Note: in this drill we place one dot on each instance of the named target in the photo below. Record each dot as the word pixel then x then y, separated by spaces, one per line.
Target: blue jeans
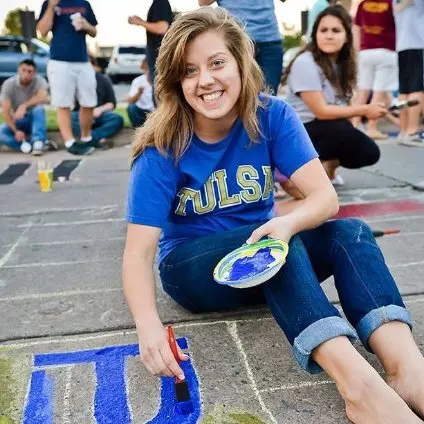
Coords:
pixel 33 124
pixel 343 248
pixel 269 56
pixel 137 116
pixel 105 126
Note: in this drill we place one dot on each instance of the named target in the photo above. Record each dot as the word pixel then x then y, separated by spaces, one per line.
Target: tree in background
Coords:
pixel 293 40
pixel 12 23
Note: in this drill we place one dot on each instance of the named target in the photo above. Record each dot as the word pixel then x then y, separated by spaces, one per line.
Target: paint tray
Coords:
pixel 251 264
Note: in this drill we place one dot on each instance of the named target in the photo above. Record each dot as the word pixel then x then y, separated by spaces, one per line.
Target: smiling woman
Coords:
pixel 201 186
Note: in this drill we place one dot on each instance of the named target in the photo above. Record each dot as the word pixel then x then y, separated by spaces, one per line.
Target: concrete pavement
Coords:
pixel 68 351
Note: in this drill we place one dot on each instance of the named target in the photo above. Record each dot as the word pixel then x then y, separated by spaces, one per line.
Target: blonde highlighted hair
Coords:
pixel 170 126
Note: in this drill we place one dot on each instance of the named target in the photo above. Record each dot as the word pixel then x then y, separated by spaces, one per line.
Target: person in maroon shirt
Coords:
pixel 375 38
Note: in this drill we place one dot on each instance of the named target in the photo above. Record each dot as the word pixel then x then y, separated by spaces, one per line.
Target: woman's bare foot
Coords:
pixel 377 403
pixel 410 387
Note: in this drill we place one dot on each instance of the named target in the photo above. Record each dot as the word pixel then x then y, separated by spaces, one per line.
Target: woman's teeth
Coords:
pixel 212 97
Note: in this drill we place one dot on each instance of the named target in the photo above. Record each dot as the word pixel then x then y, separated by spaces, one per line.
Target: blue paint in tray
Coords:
pixel 250 266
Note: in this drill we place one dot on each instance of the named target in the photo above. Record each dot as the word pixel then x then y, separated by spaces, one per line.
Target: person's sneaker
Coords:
pixel 101 144
pixel 37 148
pixel 51 145
pixel 81 149
pixel 26 147
pixel 413 140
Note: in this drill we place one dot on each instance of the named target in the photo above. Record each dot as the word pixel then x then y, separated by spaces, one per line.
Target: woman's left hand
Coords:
pixel 279 228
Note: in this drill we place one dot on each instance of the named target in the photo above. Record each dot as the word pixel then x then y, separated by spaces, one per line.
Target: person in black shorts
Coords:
pixel 409 18
pixel 159 18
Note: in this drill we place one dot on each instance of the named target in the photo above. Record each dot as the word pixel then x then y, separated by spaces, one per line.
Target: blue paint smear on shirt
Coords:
pixel 249 267
pixel 39 408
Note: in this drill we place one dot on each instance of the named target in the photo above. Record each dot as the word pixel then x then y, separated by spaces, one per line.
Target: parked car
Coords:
pixel 125 62
pixel 15 49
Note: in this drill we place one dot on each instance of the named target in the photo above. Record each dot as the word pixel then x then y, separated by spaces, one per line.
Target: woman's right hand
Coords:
pixel 155 352
pixel 375 111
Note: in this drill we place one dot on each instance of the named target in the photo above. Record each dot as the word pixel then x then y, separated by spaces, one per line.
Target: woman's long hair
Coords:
pixel 170 126
pixel 342 77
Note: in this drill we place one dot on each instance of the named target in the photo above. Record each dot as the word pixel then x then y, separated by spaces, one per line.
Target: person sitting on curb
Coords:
pixel 106 123
pixel 22 98
pixel 201 186
pixel 320 81
pixel 140 97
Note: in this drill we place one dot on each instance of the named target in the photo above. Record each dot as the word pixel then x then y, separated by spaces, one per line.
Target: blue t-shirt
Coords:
pixel 68 45
pixel 258 16
pixel 220 186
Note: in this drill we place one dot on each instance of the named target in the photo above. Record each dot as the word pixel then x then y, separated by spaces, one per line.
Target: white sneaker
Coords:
pixel 412 140
pixel 338 180
pixel 37 148
pixel 25 147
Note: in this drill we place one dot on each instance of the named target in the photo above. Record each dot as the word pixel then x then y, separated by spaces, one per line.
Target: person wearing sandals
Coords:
pixel 201 186
pixel 320 82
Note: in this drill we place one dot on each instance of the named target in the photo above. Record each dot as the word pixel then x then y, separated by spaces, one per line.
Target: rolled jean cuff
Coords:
pixel 377 317
pixel 316 334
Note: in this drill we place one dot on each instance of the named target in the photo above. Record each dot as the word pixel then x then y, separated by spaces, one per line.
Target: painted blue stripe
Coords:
pixel 84 356
pixel 167 411
pixel 39 407
pixel 110 399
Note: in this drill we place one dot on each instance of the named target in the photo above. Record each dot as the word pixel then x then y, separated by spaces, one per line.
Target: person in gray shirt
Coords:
pixel 320 81
pixel 22 97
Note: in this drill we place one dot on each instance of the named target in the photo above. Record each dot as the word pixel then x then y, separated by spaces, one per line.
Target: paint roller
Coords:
pixel 182 393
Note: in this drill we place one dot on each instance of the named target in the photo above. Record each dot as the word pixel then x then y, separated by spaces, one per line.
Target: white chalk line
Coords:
pixel 393 218
pixel 45 264
pixel 65 242
pixel 232 329
pixel 101 240
pixel 58 210
pixel 406 265
pixel 114 334
pixel 293 386
pixel 67 395
pixel 108 220
pixel 114 289
pixel 10 252
pixel 60 294
pixel 82 222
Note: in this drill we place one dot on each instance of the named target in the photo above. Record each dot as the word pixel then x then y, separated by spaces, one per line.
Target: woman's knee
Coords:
pixel 349 229
pixel 372 154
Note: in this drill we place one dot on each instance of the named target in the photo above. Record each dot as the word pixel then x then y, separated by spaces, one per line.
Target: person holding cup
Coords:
pixel 69 71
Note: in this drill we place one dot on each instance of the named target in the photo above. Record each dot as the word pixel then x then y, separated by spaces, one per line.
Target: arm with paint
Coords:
pixel 140 293
pixel 150 197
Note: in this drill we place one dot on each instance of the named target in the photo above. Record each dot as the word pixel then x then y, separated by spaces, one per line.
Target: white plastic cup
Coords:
pixel 76 19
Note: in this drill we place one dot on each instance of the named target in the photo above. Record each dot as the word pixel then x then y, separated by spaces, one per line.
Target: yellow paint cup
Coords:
pixel 45 177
